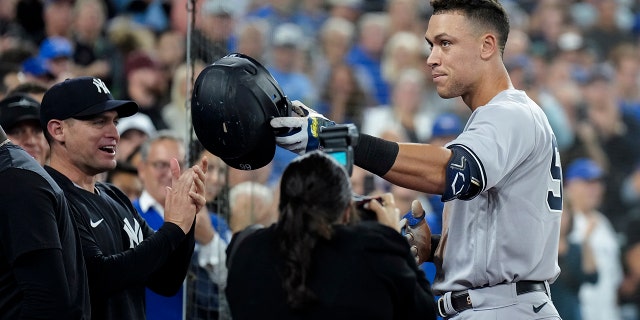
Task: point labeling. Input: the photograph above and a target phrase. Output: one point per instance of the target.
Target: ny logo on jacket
(134, 232)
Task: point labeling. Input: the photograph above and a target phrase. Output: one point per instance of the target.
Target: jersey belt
(461, 300)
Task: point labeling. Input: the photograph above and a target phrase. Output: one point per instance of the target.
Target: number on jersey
(554, 194)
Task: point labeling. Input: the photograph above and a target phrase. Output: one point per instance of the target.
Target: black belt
(461, 300)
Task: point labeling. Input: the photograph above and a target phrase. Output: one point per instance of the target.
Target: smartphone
(365, 214)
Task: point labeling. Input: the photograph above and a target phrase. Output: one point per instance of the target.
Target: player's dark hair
(486, 13)
(314, 193)
(47, 135)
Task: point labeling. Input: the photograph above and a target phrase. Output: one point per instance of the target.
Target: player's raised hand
(198, 190)
(299, 132)
(180, 205)
(418, 233)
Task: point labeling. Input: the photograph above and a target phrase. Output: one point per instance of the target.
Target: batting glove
(299, 132)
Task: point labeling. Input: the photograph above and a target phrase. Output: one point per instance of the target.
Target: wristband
(374, 154)
(413, 221)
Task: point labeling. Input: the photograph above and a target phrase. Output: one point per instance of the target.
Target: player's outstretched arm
(411, 165)
(420, 167)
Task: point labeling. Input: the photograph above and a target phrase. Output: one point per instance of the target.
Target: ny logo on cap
(102, 88)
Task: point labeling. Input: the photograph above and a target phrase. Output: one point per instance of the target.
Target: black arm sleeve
(41, 278)
(374, 154)
(168, 279)
(110, 274)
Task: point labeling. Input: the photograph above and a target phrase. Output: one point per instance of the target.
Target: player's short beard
(453, 90)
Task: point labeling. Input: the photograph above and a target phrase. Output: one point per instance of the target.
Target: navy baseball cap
(446, 124)
(55, 47)
(585, 169)
(80, 98)
(17, 108)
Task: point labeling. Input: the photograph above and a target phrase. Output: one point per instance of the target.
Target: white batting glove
(303, 128)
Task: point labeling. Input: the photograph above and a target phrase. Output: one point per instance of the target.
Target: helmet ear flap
(232, 102)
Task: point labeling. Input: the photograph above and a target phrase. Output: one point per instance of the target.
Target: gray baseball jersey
(510, 231)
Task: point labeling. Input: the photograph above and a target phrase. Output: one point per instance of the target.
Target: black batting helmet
(232, 103)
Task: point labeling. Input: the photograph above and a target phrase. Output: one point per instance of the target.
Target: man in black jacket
(42, 273)
(123, 254)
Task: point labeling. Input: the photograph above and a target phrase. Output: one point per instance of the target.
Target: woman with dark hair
(318, 262)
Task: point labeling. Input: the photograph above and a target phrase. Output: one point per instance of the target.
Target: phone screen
(340, 156)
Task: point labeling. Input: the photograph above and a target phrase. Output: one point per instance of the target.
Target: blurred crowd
(363, 62)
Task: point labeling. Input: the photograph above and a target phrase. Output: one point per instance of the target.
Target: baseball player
(123, 254)
(501, 177)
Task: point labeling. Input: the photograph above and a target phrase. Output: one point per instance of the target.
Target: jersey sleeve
(168, 278)
(26, 227)
(501, 137)
(110, 273)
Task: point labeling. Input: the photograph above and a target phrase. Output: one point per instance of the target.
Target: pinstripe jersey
(510, 231)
